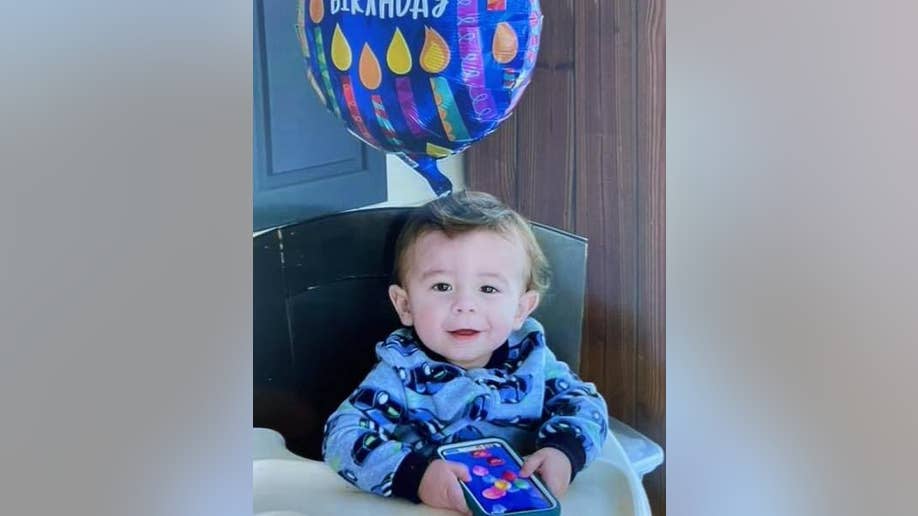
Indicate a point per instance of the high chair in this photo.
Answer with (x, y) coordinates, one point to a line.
(320, 306)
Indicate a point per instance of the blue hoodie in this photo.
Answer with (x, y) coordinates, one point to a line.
(383, 436)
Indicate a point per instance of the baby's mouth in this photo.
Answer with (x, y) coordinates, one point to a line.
(464, 333)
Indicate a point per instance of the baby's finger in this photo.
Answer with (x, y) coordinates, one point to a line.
(460, 470)
(531, 465)
(553, 485)
(456, 500)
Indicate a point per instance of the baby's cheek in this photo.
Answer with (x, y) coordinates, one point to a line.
(423, 324)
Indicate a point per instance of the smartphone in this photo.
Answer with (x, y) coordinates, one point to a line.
(496, 487)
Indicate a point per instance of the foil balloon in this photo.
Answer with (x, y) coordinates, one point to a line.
(423, 79)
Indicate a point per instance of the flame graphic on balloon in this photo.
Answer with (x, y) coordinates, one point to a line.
(370, 73)
(435, 54)
(316, 11)
(497, 5)
(398, 56)
(340, 50)
(505, 44)
(436, 151)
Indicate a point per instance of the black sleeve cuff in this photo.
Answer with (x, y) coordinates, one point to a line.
(408, 476)
(568, 445)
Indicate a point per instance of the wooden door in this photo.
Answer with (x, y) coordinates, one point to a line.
(585, 152)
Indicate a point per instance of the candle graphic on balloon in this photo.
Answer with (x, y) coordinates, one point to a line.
(316, 13)
(504, 47)
(472, 61)
(535, 33)
(371, 77)
(398, 58)
(342, 59)
(301, 33)
(435, 57)
(304, 48)
(529, 57)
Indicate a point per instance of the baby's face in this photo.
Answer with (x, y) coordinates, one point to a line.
(465, 295)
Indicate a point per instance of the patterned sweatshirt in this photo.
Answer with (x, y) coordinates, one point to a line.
(383, 436)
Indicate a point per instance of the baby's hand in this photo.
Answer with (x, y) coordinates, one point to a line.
(554, 468)
(440, 485)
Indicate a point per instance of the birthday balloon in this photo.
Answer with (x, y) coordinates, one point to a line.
(420, 78)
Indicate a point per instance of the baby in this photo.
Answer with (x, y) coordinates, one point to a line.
(468, 363)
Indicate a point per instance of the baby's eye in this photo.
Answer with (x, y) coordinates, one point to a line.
(442, 287)
(488, 289)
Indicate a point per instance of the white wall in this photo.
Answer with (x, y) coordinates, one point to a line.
(408, 188)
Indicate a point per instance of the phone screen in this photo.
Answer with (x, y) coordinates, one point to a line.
(495, 479)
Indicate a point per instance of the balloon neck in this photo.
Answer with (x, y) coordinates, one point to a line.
(427, 167)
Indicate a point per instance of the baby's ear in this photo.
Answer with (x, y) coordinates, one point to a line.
(529, 301)
(399, 298)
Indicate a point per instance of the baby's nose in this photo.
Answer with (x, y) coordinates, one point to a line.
(464, 304)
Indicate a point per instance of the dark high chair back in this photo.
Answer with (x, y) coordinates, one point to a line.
(321, 304)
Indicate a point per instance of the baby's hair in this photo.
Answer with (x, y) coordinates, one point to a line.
(468, 211)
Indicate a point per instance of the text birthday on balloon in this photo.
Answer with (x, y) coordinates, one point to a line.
(391, 8)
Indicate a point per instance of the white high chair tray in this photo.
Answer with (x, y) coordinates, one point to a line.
(285, 484)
